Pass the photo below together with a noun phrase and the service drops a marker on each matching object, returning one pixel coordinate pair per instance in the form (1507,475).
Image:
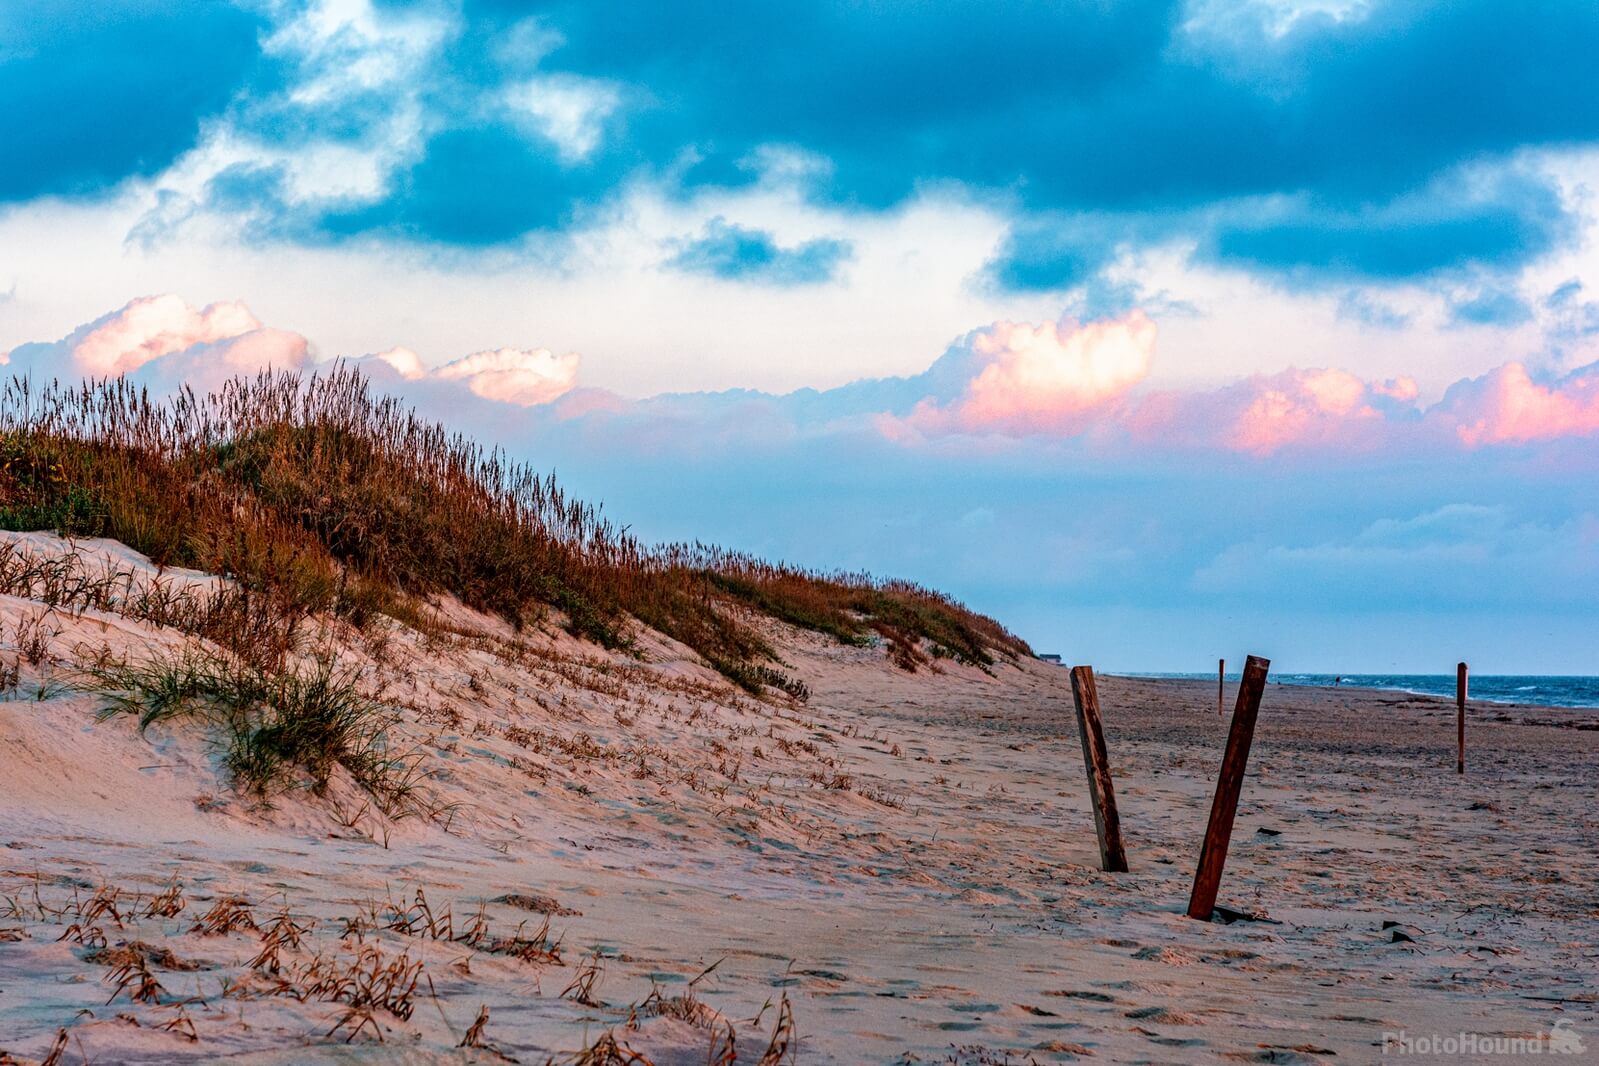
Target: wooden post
(1112,855)
(1221,687)
(1460,719)
(1229,783)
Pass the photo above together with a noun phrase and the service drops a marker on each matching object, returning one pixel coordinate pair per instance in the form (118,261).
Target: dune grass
(273,725)
(316,496)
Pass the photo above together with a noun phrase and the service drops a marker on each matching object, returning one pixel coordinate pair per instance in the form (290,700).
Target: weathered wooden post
(1221,687)
(1112,855)
(1229,783)
(1460,718)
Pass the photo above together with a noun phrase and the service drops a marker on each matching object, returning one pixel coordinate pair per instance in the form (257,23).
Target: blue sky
(1161,330)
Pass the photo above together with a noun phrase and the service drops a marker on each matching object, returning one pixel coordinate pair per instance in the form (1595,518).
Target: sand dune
(623,848)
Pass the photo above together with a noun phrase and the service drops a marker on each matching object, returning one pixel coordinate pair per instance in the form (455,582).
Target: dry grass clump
(313,495)
(606,1051)
(475,1040)
(851,607)
(134,979)
(689,1008)
(784,1044)
(581,988)
(226,613)
(537,949)
(226,915)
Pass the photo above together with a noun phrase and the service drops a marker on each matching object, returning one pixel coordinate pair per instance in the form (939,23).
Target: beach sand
(906,864)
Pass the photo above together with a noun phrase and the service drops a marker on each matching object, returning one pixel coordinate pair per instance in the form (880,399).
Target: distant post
(1460,719)
(1229,783)
(1221,687)
(1112,855)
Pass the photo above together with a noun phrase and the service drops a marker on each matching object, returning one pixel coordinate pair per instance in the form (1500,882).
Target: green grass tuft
(275,727)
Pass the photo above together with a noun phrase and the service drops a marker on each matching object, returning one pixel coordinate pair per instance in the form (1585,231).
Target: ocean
(1541,691)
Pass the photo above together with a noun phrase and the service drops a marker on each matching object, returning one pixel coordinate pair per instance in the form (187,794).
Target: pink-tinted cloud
(1058,381)
(1300,406)
(1324,408)
(206,366)
(164,342)
(1506,406)
(150,327)
(1068,379)
(525,377)
(1018,379)
(404,361)
(514,375)
(162,339)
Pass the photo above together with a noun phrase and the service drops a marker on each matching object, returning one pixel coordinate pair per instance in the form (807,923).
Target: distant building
(1050,659)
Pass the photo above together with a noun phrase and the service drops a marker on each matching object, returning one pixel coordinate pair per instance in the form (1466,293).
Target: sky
(1162,331)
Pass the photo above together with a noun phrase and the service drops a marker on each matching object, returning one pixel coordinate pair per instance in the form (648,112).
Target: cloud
(402,361)
(207,366)
(476,186)
(1049,254)
(1126,112)
(165,343)
(1464,219)
(1050,382)
(168,341)
(1056,382)
(1320,148)
(1018,379)
(1358,306)
(1508,406)
(1491,307)
(1296,408)
(733,253)
(570,112)
(525,378)
(97,93)
(514,376)
(1157,549)
(1572,319)
(1418,558)
(149,328)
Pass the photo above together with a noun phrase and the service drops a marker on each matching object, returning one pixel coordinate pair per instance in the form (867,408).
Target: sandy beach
(704,534)
(901,869)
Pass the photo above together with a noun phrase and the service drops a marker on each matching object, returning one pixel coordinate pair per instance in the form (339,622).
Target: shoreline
(1287,681)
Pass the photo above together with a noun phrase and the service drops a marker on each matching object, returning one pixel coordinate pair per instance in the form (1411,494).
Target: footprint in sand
(1169,955)
(1092,997)
(1165,1016)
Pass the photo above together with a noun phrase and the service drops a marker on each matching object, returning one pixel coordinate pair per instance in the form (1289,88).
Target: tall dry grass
(314,495)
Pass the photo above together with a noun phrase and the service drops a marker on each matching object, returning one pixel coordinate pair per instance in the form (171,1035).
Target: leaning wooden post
(1221,687)
(1460,719)
(1229,783)
(1112,856)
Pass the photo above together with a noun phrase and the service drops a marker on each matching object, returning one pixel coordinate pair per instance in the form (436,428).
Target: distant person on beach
(1336,680)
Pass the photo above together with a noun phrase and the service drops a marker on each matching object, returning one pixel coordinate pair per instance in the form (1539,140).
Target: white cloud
(568,110)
